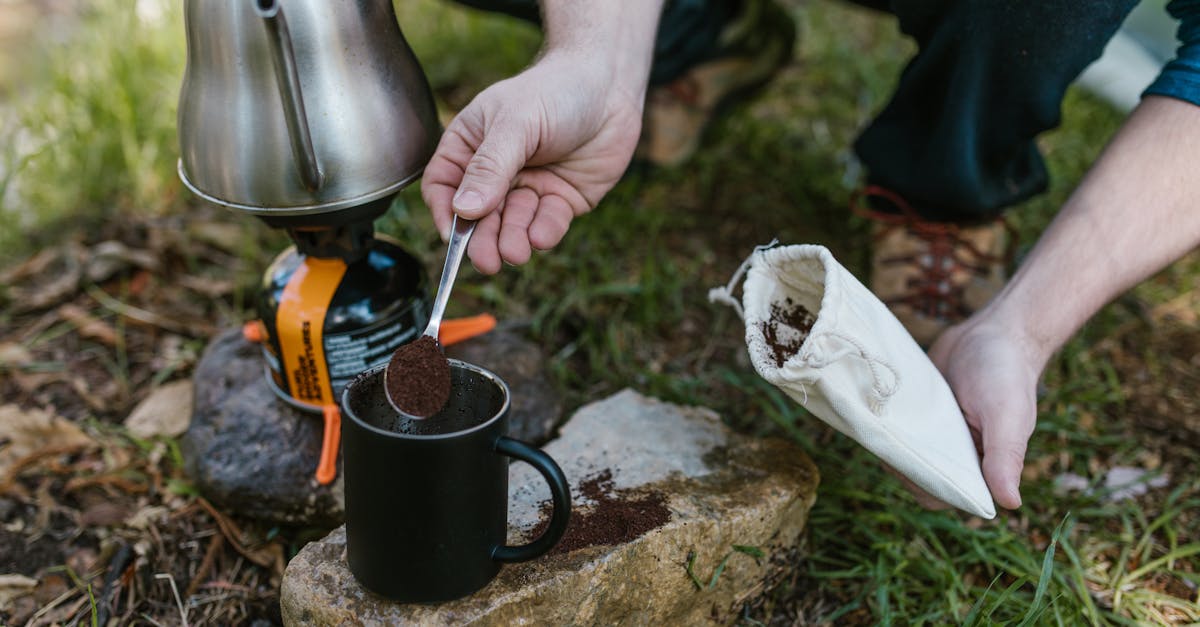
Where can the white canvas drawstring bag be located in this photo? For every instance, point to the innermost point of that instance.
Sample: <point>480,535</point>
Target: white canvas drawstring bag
<point>857,369</point>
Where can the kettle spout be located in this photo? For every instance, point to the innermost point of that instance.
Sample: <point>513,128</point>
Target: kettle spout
<point>288,81</point>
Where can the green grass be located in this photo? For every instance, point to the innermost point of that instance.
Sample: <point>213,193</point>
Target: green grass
<point>97,124</point>
<point>781,168</point>
<point>621,303</point>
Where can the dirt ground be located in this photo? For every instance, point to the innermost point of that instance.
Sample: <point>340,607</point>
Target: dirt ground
<point>89,513</point>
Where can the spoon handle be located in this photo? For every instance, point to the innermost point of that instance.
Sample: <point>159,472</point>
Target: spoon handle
<point>460,234</point>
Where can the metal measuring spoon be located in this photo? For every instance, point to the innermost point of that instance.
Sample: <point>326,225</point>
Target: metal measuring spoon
<point>417,379</point>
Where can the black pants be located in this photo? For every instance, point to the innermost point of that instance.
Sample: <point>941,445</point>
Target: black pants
<point>957,137</point>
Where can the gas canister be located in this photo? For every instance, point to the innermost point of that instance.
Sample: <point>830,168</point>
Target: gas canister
<point>334,305</point>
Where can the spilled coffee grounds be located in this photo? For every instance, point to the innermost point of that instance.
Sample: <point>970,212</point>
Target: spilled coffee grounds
<point>418,377</point>
<point>787,329</point>
<point>616,518</point>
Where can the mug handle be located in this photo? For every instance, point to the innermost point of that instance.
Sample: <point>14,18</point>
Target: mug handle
<point>559,491</point>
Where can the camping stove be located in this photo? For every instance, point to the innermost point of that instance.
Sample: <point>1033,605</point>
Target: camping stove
<point>312,115</point>
<point>336,303</point>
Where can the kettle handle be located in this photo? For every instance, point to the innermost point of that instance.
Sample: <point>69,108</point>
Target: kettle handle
<point>289,92</point>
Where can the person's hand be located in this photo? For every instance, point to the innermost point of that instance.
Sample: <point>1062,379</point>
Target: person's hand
<point>1107,237</point>
<point>531,153</point>
<point>994,375</point>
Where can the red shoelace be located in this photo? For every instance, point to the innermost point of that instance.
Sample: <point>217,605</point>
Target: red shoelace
<point>933,292</point>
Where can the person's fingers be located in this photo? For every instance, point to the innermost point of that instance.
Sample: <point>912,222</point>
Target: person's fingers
<point>520,206</point>
<point>437,198</point>
<point>490,172</point>
<point>444,172</point>
<point>482,249</point>
<point>1005,437</point>
<point>550,224</point>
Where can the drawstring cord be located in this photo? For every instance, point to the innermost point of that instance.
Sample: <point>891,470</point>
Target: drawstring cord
<point>724,294</point>
<point>881,390</point>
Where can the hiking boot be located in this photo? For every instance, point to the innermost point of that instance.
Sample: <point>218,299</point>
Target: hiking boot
<point>749,51</point>
<point>933,274</point>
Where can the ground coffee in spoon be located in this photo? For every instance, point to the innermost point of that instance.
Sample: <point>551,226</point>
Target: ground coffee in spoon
<point>418,377</point>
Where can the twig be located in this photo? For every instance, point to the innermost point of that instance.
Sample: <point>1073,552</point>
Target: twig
<point>233,534</point>
<point>151,620</point>
<point>130,487</point>
<point>137,314</point>
<point>225,585</point>
<point>74,609</point>
<point>210,555</point>
<point>21,464</point>
<point>235,572</point>
<point>51,605</point>
<point>175,591</point>
<point>207,600</point>
<point>45,321</point>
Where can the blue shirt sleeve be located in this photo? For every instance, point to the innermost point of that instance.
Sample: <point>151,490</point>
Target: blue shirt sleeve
<point>1181,77</point>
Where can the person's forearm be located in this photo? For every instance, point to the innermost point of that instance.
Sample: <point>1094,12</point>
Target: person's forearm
<point>617,34</point>
<point>1136,211</point>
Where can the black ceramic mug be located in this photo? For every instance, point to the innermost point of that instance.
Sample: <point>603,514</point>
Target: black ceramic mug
<point>427,500</point>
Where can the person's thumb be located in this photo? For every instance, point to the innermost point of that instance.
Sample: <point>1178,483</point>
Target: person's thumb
<point>1005,437</point>
<point>489,174</point>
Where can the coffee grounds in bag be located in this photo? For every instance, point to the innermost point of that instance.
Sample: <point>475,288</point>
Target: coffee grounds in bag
<point>615,518</point>
<point>787,329</point>
<point>418,377</point>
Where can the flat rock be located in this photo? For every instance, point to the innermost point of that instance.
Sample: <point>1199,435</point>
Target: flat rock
<point>628,458</point>
<point>253,454</point>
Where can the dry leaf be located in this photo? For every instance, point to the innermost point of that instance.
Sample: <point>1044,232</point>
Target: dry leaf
<point>207,286</point>
<point>89,326</point>
<point>99,400</point>
<point>14,356</point>
<point>1068,482</point>
<point>30,431</point>
<point>50,588</point>
<point>224,235</point>
<point>1036,469</point>
<point>104,514</point>
<point>83,560</point>
<point>174,353</point>
<point>1150,460</point>
<point>1124,482</point>
<point>34,265</point>
<point>1183,308</point>
<point>1087,421</point>
<point>167,411</point>
<point>147,516</point>
<point>110,257</point>
<point>13,586</point>
<point>58,278</point>
<point>139,282</point>
<point>33,381</point>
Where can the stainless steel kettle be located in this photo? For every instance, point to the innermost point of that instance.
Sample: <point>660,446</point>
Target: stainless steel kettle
<point>299,107</point>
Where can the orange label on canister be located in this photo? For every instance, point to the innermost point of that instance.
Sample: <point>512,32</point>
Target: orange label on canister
<point>299,322</point>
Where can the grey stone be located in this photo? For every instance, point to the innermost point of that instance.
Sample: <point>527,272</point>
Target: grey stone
<point>247,450</point>
<point>253,454</point>
<point>721,489</point>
